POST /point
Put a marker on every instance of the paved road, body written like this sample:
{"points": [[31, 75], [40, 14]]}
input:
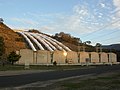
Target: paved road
{"points": [[17, 80]]}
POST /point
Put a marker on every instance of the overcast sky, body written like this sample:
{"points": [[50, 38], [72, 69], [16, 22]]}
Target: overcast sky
{"points": [[94, 20]]}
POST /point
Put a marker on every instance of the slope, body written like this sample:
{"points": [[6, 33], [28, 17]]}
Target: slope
{"points": [[12, 40]]}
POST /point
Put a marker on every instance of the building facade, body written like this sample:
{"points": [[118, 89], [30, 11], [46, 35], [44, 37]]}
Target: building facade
{"points": [[44, 57]]}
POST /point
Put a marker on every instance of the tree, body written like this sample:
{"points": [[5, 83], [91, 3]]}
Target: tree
{"points": [[88, 42], [85, 43], [98, 45], [13, 57], [1, 20]]}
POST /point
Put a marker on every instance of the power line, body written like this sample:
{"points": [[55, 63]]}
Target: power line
{"points": [[105, 26], [108, 39], [105, 34]]}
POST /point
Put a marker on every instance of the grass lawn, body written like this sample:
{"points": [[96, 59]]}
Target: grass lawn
{"points": [[105, 82], [42, 67], [11, 67]]}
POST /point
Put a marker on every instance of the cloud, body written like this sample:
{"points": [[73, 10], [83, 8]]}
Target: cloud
{"points": [[25, 21], [115, 15], [102, 5], [82, 20], [116, 3], [58, 22], [80, 10]]}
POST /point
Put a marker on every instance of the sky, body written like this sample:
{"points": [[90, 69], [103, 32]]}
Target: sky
{"points": [[97, 21]]}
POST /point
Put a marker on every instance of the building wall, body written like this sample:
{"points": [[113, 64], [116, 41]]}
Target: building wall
{"points": [[94, 57], [83, 56], [72, 57], [104, 57], [112, 57], [59, 57], [47, 57], [26, 56], [43, 57]]}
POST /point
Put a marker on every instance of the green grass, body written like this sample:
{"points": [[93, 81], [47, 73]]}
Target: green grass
{"points": [[105, 78], [99, 83], [11, 67], [41, 67]]}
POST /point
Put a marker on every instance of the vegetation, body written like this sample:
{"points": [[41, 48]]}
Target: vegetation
{"points": [[2, 49], [67, 38], [1, 20], [42, 67], [111, 82], [10, 67], [12, 40], [34, 31], [13, 57], [54, 63]]}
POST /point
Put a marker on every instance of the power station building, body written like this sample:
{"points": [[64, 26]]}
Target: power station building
{"points": [[43, 57], [49, 50]]}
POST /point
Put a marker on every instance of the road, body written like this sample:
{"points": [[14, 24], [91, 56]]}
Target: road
{"points": [[18, 80]]}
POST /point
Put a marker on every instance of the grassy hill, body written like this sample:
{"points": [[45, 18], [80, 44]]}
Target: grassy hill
{"points": [[12, 41]]}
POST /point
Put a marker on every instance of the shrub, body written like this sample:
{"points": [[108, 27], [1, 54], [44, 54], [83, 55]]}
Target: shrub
{"points": [[13, 57]]}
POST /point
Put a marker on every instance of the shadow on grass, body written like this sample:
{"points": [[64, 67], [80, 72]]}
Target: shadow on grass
{"points": [[98, 83]]}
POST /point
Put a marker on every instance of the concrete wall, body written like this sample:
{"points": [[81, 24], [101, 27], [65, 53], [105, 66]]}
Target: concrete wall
{"points": [[112, 57], [47, 57], [59, 57], [104, 57], [26, 56], [43, 57], [83, 56], [72, 57], [94, 57]]}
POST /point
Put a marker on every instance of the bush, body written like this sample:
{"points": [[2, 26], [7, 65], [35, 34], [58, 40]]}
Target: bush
{"points": [[54, 63], [13, 57]]}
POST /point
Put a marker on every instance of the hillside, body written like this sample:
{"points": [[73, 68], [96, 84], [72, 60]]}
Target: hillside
{"points": [[113, 46], [74, 43], [12, 40]]}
